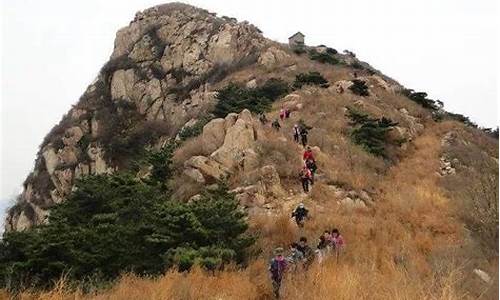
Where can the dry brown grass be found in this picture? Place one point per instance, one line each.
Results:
(189, 148)
(284, 154)
(410, 245)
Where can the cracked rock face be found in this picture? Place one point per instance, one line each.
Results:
(162, 66)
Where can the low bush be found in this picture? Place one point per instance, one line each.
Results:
(195, 130)
(359, 88)
(460, 118)
(235, 97)
(349, 53)
(311, 78)
(323, 57)
(356, 65)
(369, 132)
(331, 51)
(421, 99)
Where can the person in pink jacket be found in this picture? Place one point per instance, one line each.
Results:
(338, 242)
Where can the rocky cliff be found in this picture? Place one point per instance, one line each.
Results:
(160, 75)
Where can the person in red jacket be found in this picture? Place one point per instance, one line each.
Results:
(282, 114)
(308, 155)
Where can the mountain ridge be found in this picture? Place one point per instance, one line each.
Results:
(387, 156)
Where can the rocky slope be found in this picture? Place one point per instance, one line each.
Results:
(426, 198)
(160, 75)
(163, 75)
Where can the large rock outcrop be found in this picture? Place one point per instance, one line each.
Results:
(163, 69)
(230, 142)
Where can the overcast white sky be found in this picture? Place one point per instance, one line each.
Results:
(51, 50)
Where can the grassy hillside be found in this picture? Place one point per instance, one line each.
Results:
(414, 242)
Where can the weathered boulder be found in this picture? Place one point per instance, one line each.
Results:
(352, 203)
(213, 135)
(98, 164)
(122, 84)
(239, 137)
(195, 174)
(208, 167)
(341, 86)
(272, 56)
(230, 120)
(51, 159)
(399, 134)
(270, 183)
(29, 216)
(94, 127)
(82, 170)
(68, 156)
(63, 180)
(483, 275)
(251, 84)
(144, 50)
(449, 138)
(413, 124)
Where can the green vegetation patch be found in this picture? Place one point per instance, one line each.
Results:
(117, 223)
(236, 97)
(370, 133)
(311, 78)
(359, 88)
(326, 57)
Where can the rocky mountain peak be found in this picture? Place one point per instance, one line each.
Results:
(160, 75)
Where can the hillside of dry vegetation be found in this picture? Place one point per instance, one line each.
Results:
(428, 221)
(412, 243)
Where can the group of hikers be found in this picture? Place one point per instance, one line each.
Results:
(301, 255)
(300, 132)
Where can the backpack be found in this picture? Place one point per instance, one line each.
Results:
(311, 165)
(277, 268)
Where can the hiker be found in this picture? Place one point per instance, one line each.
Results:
(328, 241)
(295, 256)
(277, 268)
(300, 214)
(282, 114)
(311, 165)
(337, 242)
(355, 74)
(296, 133)
(340, 89)
(307, 252)
(321, 249)
(276, 124)
(262, 118)
(287, 113)
(305, 177)
(303, 135)
(308, 155)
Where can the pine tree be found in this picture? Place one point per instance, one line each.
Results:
(369, 132)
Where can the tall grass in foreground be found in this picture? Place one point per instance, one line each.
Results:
(331, 280)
